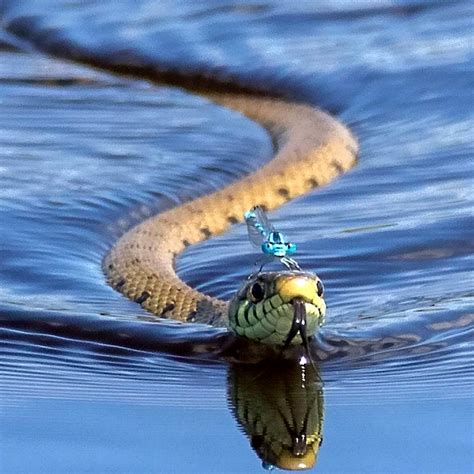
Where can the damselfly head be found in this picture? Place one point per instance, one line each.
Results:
(263, 235)
(277, 250)
(277, 245)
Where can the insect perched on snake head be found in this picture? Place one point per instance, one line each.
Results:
(277, 245)
(273, 243)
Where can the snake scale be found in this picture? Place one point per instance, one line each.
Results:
(312, 148)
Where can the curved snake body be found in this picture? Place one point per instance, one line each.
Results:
(312, 148)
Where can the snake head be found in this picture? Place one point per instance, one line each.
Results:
(278, 308)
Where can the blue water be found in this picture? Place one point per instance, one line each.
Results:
(89, 382)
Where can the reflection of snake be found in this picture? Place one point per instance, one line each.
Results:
(280, 407)
(312, 149)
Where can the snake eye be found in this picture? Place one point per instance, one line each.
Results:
(257, 292)
(320, 288)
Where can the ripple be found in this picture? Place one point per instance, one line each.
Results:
(86, 154)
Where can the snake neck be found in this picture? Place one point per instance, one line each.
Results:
(312, 148)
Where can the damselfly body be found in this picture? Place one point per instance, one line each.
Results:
(273, 243)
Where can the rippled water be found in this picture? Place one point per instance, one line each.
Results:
(92, 383)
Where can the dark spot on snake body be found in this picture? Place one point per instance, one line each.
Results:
(312, 182)
(284, 192)
(143, 297)
(191, 317)
(111, 267)
(207, 233)
(186, 243)
(120, 284)
(338, 166)
(232, 220)
(166, 309)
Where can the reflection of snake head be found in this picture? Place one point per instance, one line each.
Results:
(278, 307)
(281, 411)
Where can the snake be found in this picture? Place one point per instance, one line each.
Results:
(311, 149)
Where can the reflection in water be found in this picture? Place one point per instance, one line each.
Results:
(280, 408)
(392, 239)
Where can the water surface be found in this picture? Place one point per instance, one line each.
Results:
(92, 383)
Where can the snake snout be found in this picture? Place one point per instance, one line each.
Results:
(297, 286)
(304, 293)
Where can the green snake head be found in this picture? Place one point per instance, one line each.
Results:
(278, 308)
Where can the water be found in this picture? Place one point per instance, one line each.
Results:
(92, 383)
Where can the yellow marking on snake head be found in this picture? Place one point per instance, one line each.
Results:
(296, 286)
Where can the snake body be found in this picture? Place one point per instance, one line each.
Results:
(312, 148)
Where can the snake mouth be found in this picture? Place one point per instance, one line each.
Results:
(298, 324)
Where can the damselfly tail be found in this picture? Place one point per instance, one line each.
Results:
(258, 226)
